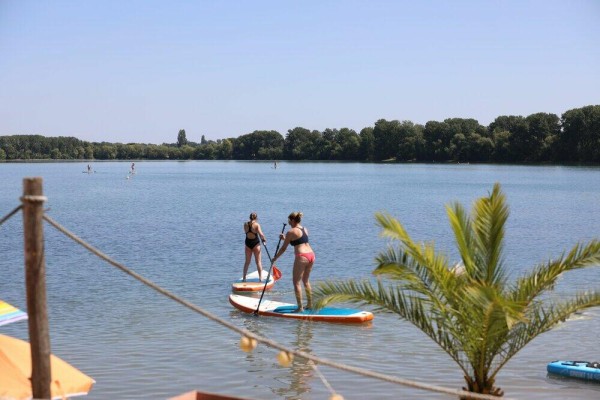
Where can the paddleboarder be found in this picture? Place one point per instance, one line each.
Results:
(252, 245)
(304, 258)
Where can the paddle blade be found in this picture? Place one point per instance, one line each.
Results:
(276, 273)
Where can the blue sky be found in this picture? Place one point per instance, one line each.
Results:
(138, 71)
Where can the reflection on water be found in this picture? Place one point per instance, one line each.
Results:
(299, 375)
(256, 360)
(573, 383)
(295, 380)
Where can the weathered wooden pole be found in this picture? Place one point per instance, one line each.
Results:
(35, 282)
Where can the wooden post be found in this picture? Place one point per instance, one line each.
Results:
(35, 282)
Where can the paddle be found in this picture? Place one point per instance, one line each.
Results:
(276, 272)
(271, 267)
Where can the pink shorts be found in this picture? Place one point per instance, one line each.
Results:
(309, 256)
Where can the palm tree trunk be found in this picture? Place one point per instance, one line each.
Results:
(482, 386)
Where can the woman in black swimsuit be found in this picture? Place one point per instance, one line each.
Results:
(252, 245)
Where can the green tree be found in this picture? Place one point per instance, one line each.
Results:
(501, 145)
(89, 152)
(187, 152)
(301, 144)
(328, 148)
(467, 140)
(386, 135)
(395, 139)
(411, 142)
(544, 129)
(474, 313)
(261, 145)
(437, 136)
(482, 148)
(80, 152)
(206, 152)
(367, 144)
(157, 152)
(520, 144)
(338, 144)
(580, 137)
(348, 144)
(2, 155)
(123, 151)
(137, 151)
(174, 153)
(55, 154)
(105, 151)
(181, 139)
(11, 152)
(225, 149)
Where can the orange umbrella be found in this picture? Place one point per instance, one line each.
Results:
(15, 364)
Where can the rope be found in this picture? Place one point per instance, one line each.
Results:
(318, 372)
(29, 198)
(10, 214)
(268, 342)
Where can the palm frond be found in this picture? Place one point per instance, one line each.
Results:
(414, 309)
(399, 266)
(423, 269)
(540, 319)
(351, 291)
(544, 277)
(463, 234)
(393, 229)
(489, 217)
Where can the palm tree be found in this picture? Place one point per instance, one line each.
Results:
(473, 312)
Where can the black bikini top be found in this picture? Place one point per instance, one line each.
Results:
(303, 239)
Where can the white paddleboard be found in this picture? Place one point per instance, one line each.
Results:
(252, 283)
(286, 310)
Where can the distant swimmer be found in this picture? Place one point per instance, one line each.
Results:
(89, 169)
(133, 168)
(275, 165)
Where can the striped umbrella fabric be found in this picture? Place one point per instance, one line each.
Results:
(10, 314)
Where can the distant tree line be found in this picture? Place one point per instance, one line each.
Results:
(537, 138)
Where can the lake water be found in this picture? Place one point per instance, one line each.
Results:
(180, 225)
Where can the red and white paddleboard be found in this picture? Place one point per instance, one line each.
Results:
(252, 283)
(285, 310)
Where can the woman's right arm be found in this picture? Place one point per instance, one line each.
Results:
(260, 233)
(285, 245)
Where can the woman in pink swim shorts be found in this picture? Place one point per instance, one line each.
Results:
(304, 258)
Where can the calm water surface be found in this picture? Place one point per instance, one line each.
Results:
(180, 225)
